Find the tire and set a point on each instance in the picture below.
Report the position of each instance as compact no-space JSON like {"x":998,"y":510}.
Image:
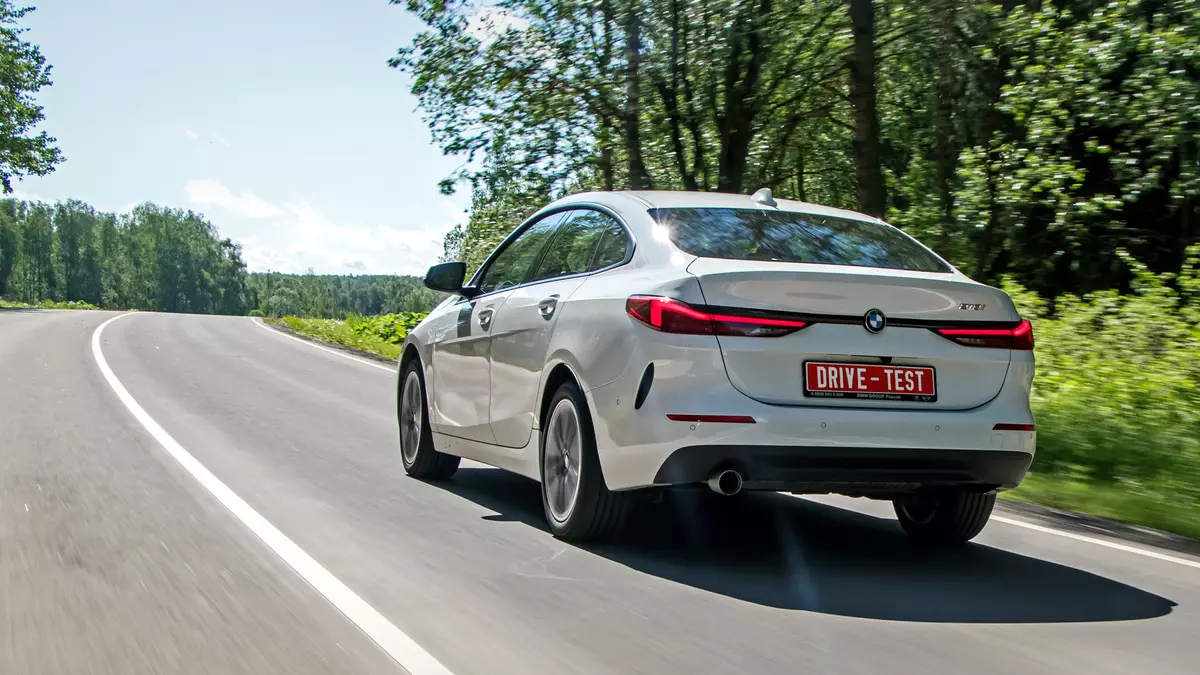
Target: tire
{"x":420,"y":458}
{"x":591,"y":511}
{"x":953,"y":517}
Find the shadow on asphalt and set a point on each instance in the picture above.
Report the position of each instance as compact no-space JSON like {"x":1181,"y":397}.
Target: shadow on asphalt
{"x":789,"y":553}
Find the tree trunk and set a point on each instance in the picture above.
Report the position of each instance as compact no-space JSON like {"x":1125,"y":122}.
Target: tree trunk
{"x":946,"y":146}
{"x":606,"y":154}
{"x":800,"y":192}
{"x":639,"y":178}
{"x":872,"y":193}
{"x":741,"y":103}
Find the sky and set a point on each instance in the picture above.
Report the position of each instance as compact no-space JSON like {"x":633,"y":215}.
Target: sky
{"x":279,"y":120}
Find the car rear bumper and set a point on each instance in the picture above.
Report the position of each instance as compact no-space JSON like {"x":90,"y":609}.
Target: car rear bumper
{"x":800,"y":448}
{"x":844,"y":470}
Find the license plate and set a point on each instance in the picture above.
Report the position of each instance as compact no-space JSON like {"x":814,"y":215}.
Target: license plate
{"x":868,"y":381}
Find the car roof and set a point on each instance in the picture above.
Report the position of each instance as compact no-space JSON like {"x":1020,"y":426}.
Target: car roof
{"x":664,"y":199}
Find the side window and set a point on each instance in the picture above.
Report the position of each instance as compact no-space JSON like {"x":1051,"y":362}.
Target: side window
{"x":614,"y":245}
{"x":573,"y":245}
{"x":510,"y":267}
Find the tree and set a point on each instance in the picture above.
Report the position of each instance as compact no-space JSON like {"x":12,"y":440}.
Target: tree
{"x":23,"y":71}
{"x":872,"y":196}
{"x":1016,"y":137}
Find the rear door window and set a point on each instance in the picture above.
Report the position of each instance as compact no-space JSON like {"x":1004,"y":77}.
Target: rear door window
{"x":786,"y":236}
{"x":614,"y":245}
{"x":584,"y":242}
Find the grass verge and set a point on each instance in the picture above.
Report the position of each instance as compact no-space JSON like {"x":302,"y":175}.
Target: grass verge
{"x":1161,"y":509}
{"x":336,"y":331}
{"x":46,"y":304}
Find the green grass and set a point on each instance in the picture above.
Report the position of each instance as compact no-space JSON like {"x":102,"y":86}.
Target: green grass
{"x":47,"y":304}
{"x":339,"y":332}
{"x":1151,"y":506}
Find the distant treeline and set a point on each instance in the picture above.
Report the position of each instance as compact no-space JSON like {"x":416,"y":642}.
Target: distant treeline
{"x":152,"y":258}
{"x":170,"y":260}
{"x":335,"y":296}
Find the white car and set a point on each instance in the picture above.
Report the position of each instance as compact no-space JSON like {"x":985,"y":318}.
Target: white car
{"x":623,"y":341}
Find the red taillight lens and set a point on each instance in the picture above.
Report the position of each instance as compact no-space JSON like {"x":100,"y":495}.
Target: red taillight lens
{"x":1020,"y":337}
{"x":673,"y":316}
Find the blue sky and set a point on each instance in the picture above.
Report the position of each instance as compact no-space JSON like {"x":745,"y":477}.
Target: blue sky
{"x":279,"y":120}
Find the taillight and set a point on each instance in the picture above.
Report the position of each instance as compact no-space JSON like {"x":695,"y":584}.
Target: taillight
{"x":673,"y":316}
{"x":1019,"y":337}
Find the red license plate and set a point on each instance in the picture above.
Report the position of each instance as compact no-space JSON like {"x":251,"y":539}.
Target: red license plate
{"x":868,"y":381}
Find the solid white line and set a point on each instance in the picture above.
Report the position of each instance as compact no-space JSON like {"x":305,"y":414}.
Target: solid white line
{"x":310,"y":343}
{"x":1079,"y":537}
{"x":1099,"y":542}
{"x":391,"y":639}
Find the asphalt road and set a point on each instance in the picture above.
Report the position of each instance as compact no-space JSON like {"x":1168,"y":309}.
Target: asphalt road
{"x":115,"y":559}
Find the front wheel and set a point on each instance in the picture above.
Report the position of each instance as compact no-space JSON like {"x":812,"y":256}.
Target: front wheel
{"x":420,"y":459}
{"x":953,"y":517}
{"x":578,"y":505}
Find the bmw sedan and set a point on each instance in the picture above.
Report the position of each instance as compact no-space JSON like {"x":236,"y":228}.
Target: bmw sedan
{"x":620,"y":342}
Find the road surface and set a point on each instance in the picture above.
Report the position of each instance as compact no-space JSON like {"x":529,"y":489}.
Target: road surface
{"x":115,"y":557}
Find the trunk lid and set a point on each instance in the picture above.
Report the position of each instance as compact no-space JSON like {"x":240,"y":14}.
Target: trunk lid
{"x":836,"y":299}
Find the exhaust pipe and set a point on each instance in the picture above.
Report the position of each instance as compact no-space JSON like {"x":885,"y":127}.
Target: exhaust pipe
{"x":727,"y":482}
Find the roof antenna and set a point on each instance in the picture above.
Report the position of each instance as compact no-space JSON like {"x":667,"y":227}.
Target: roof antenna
{"x":764,"y":197}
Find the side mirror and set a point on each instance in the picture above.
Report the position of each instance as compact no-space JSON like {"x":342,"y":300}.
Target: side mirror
{"x":447,"y":277}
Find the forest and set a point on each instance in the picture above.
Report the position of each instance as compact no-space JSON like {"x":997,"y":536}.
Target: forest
{"x":1032,"y":139}
{"x":169,"y":260}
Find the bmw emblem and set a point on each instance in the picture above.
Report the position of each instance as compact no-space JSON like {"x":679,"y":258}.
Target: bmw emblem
{"x":874,"y":321}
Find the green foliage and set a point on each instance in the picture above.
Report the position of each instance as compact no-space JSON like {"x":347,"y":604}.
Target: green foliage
{"x":1117,"y":392}
{"x":336,"y":296}
{"x":1027,"y":139}
{"x":1153,"y":506}
{"x":257,"y":313}
{"x":152,"y":258}
{"x":337,"y":331}
{"x":23,"y":71}
{"x":392,"y":328}
{"x":47,"y":304}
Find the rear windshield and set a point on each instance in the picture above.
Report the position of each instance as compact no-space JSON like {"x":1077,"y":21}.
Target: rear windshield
{"x":784,"y":236}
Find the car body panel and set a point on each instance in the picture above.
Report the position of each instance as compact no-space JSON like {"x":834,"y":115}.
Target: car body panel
{"x":521,"y":335}
{"x":458,"y":381}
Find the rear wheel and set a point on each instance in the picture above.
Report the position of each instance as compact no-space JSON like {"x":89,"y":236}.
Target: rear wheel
{"x":952,"y":517}
{"x":420,"y":459}
{"x":578,"y":505}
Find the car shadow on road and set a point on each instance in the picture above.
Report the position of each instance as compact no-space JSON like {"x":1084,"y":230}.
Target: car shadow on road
{"x":790,"y":553}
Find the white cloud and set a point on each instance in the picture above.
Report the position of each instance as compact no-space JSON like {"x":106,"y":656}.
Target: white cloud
{"x":191,"y":134}
{"x":221,"y":139}
{"x":214,"y":193}
{"x":490,"y":22}
{"x":26,"y":197}
{"x":297,"y":235}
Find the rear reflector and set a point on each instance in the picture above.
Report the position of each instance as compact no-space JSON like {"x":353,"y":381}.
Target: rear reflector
{"x":1014,"y":427}
{"x":673,"y":316}
{"x":725,"y":419}
{"x":1019,"y":337}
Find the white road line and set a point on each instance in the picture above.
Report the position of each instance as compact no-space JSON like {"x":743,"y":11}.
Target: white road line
{"x":391,"y":639}
{"x":335,"y":352}
{"x":1079,"y":537}
{"x":1099,"y":542}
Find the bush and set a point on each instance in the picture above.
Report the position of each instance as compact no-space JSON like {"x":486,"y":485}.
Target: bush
{"x":1117,"y":392}
{"x":391,"y":328}
{"x":256,"y":313}
{"x":339,"y":332}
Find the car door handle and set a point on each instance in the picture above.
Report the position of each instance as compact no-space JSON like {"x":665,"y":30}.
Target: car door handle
{"x":485,"y":317}
{"x":547,"y":305}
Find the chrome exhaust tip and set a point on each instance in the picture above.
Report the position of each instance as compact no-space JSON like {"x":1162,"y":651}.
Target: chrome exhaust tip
{"x":727,"y":482}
